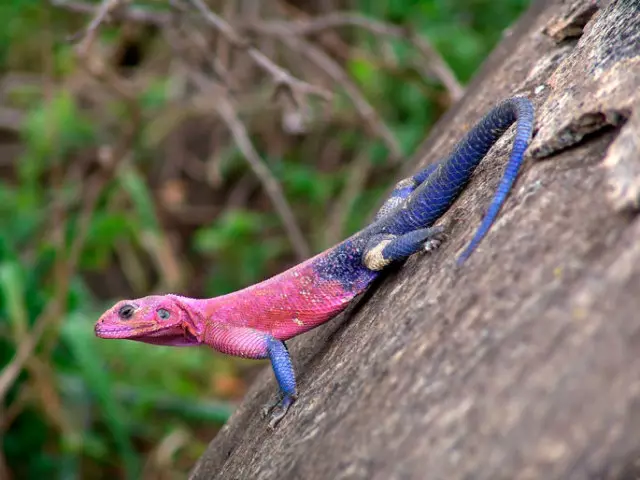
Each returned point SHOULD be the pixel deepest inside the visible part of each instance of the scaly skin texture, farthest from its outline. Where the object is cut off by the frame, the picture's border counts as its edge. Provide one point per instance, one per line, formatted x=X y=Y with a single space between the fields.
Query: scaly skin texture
x=255 y=322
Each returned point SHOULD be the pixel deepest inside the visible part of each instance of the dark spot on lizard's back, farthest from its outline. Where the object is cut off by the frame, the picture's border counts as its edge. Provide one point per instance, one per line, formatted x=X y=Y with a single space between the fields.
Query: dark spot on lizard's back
x=344 y=264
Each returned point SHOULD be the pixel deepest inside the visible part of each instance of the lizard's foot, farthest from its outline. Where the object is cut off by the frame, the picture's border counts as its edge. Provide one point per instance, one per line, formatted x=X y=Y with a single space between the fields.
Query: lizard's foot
x=278 y=409
x=434 y=242
x=384 y=248
x=268 y=407
x=431 y=245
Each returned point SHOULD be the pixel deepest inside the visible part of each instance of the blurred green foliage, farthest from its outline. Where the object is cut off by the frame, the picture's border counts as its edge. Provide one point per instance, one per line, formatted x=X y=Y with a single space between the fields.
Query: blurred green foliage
x=85 y=408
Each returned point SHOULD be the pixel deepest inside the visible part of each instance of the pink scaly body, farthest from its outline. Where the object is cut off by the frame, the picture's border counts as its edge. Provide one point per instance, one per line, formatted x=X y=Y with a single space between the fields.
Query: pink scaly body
x=280 y=307
x=284 y=306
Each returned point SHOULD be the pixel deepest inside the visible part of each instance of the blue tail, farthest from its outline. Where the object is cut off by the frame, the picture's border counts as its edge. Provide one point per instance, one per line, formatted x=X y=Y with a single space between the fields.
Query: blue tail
x=436 y=194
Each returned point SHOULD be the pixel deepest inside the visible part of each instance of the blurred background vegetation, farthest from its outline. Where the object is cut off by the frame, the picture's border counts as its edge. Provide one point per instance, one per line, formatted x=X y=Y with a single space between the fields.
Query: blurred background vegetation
x=154 y=154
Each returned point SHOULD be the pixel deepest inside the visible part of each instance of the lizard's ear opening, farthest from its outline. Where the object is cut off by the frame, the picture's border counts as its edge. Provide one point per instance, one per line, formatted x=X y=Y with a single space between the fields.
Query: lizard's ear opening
x=126 y=311
x=163 y=314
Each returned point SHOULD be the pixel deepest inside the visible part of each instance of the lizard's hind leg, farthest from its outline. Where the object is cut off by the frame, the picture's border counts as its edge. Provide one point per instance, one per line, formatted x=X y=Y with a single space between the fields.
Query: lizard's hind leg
x=384 y=249
x=403 y=189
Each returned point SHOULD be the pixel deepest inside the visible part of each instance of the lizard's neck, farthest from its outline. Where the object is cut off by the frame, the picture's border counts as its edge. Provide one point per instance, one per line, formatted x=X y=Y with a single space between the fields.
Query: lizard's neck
x=197 y=311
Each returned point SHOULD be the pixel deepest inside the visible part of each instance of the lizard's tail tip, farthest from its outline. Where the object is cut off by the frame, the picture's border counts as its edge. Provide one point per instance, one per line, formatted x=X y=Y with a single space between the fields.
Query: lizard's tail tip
x=460 y=261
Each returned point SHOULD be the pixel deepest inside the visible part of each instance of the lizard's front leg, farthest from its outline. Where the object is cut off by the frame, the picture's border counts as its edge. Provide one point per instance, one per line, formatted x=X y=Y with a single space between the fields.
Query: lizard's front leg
x=253 y=343
x=383 y=249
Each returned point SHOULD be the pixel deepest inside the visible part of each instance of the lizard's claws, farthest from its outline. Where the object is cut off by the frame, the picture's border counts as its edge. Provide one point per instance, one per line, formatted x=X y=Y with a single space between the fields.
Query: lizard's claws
x=269 y=406
x=435 y=241
x=278 y=409
x=276 y=416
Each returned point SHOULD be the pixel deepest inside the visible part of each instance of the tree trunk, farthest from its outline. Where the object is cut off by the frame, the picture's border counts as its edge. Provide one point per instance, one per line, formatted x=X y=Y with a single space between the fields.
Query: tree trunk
x=524 y=362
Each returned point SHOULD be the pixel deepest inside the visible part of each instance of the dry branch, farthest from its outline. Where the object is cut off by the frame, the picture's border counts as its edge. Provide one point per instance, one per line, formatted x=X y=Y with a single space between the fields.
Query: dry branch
x=279 y=74
x=229 y=115
x=432 y=60
x=432 y=63
x=368 y=114
x=103 y=13
x=132 y=13
x=296 y=36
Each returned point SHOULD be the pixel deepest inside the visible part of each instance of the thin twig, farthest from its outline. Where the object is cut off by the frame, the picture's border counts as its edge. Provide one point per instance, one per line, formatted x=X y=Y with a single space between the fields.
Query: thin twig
x=229 y=114
x=239 y=132
x=219 y=67
x=433 y=62
x=102 y=14
x=281 y=77
x=133 y=13
x=315 y=25
x=9 y=415
x=368 y=114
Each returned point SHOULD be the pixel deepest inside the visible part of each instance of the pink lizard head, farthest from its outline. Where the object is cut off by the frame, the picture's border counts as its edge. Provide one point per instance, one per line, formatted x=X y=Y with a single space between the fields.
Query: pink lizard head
x=156 y=319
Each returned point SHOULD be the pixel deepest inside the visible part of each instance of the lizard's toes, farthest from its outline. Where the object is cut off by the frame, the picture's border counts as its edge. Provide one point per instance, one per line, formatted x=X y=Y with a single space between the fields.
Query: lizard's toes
x=431 y=245
x=276 y=416
x=267 y=408
x=435 y=240
x=281 y=411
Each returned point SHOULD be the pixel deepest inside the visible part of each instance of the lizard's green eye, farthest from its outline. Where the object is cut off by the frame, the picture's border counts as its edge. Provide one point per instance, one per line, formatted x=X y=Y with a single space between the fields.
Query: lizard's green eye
x=163 y=314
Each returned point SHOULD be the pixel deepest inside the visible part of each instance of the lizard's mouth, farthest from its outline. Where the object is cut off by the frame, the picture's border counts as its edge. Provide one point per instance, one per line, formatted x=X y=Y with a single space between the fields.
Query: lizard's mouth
x=181 y=339
x=128 y=331
x=157 y=336
x=103 y=331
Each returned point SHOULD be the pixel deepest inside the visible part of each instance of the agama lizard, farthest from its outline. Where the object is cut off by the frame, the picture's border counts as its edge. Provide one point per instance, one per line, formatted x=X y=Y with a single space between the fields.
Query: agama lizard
x=256 y=321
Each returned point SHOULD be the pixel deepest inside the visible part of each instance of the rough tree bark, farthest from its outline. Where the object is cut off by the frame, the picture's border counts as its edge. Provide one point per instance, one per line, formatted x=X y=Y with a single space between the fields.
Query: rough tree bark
x=524 y=363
